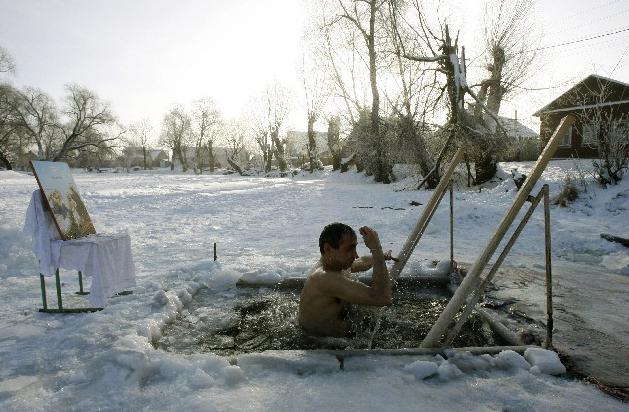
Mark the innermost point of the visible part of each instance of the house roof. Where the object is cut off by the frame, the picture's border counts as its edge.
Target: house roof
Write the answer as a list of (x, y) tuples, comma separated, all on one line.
[(593, 91), (515, 129)]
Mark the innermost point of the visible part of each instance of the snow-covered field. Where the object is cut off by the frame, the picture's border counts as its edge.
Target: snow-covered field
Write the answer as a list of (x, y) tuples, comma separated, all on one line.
[(270, 227)]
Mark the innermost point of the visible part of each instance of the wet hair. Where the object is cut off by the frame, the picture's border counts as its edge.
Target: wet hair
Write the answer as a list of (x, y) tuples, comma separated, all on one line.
[(333, 233)]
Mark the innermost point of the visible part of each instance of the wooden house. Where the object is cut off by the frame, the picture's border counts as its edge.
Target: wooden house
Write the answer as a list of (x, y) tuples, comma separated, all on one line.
[(599, 104)]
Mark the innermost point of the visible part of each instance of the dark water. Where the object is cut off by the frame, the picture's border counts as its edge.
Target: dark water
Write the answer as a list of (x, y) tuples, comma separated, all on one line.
[(253, 320)]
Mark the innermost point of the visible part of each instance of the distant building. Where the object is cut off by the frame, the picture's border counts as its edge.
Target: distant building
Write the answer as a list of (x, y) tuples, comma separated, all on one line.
[(592, 99), (134, 157), (297, 147), (220, 157), (523, 141)]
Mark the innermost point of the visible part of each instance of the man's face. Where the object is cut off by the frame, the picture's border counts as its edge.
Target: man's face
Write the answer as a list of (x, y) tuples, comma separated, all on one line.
[(344, 256)]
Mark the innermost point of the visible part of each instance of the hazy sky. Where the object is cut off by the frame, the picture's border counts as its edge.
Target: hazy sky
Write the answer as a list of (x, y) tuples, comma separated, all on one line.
[(144, 56)]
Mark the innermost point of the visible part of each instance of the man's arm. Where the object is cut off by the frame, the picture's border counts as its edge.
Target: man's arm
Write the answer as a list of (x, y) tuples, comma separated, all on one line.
[(352, 291), (364, 263), (378, 294), (381, 279)]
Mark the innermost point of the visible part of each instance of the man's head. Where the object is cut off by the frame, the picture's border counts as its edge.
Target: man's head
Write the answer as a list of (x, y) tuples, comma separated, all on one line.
[(337, 244)]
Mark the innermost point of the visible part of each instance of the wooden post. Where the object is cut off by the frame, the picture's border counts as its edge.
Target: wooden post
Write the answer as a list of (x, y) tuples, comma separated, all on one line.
[(471, 281), (421, 225), (549, 277), (215, 251)]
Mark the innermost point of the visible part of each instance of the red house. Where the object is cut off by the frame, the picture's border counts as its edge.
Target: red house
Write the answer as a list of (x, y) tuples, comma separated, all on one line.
[(600, 105)]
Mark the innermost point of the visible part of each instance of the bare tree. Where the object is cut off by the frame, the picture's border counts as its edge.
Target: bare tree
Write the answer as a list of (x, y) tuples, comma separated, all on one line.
[(334, 141), (604, 128), (509, 50), (277, 100), (205, 124), (316, 92), (267, 114), (175, 132), (412, 101), (510, 54), (85, 117), (9, 125), (234, 135), (140, 135), (362, 15), (7, 64), (38, 118)]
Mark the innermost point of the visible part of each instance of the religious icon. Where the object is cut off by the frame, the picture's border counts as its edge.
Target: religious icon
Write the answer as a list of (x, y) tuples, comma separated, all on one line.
[(62, 198)]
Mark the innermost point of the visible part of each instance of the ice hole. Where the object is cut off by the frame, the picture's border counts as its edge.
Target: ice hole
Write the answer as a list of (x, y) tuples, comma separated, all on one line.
[(255, 319)]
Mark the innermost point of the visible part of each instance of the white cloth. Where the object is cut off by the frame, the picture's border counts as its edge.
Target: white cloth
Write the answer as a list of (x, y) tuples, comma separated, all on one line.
[(106, 258)]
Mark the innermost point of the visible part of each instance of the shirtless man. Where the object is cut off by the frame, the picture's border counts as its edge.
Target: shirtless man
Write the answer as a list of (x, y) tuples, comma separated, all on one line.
[(329, 289)]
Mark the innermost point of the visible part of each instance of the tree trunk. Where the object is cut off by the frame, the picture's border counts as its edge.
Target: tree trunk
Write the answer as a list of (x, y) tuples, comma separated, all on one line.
[(381, 172), (334, 142), (5, 161), (234, 165), (210, 150), (279, 152), (144, 156), (182, 158), (312, 143)]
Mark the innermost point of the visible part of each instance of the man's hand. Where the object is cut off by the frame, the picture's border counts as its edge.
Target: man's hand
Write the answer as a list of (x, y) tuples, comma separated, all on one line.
[(370, 237), (388, 255)]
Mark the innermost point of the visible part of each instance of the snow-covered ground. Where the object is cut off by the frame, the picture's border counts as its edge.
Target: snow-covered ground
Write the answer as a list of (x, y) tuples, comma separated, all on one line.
[(269, 227)]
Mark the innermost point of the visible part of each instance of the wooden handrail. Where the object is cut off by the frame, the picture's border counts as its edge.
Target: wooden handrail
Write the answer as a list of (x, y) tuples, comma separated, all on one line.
[(471, 280)]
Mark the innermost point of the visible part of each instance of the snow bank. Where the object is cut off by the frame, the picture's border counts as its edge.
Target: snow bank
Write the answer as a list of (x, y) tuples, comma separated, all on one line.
[(544, 361), (269, 228)]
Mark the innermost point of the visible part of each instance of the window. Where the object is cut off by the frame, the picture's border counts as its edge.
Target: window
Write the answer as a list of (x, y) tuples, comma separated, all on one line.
[(590, 134), (566, 139)]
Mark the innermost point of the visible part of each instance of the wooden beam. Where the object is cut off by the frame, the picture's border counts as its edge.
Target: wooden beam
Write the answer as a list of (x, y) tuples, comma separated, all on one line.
[(471, 281)]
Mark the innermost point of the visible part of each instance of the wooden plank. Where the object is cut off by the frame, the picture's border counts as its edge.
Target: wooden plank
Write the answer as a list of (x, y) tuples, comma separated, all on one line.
[(298, 282), (471, 281)]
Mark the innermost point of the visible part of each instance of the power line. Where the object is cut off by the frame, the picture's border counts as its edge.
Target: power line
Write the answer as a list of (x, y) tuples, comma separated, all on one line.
[(619, 60), (577, 41)]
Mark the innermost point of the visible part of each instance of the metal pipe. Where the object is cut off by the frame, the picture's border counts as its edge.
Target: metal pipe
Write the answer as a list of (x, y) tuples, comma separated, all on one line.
[(475, 296), (58, 282), (43, 290), (549, 275), (451, 227)]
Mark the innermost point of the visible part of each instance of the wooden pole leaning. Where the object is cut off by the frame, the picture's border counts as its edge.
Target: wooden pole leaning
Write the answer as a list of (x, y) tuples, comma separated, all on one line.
[(471, 281), (478, 293), (429, 211)]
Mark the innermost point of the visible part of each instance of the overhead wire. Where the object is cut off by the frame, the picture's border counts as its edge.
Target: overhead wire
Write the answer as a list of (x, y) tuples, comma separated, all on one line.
[(625, 29)]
